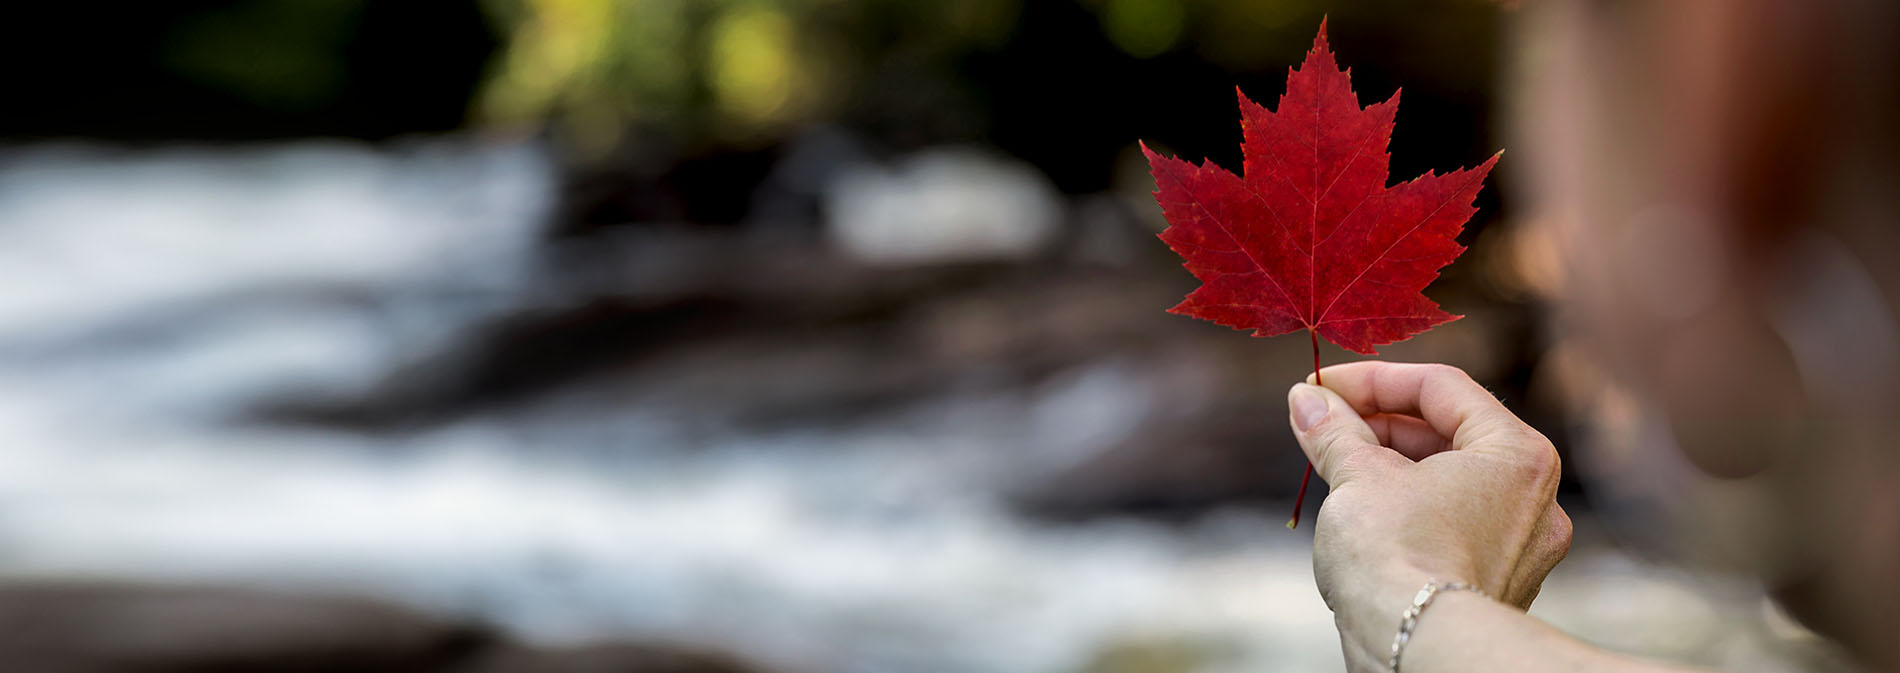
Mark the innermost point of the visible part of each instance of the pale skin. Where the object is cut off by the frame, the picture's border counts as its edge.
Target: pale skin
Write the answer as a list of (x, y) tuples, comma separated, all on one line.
[(1433, 479)]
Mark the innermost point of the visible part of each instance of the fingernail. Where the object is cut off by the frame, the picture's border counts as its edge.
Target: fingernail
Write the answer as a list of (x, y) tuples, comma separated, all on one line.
[(1308, 407)]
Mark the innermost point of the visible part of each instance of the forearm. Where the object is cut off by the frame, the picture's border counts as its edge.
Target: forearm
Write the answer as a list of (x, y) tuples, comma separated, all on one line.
[(1471, 634), (1462, 632)]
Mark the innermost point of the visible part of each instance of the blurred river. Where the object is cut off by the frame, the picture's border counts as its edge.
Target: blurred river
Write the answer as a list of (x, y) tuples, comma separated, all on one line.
[(162, 307)]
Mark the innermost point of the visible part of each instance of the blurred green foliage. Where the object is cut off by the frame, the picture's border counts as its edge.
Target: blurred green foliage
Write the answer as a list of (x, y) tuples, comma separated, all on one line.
[(733, 70)]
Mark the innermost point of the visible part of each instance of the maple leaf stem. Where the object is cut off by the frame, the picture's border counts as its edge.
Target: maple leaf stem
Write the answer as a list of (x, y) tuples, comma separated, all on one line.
[(1300, 500)]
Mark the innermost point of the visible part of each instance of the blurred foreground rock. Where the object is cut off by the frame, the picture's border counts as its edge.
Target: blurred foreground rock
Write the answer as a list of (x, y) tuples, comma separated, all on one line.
[(127, 628)]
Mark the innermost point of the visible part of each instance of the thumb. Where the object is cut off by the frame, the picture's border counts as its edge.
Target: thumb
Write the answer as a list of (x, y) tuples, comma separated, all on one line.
[(1329, 431)]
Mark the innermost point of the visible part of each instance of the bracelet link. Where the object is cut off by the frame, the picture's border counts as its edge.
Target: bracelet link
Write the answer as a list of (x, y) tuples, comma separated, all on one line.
[(1408, 620)]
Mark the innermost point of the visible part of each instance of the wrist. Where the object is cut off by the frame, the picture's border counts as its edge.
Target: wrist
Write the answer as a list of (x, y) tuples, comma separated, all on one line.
[(1408, 623), (1368, 612)]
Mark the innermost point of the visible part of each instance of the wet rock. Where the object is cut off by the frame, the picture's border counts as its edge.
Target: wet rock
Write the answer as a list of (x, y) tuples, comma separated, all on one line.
[(126, 628), (77, 628), (613, 658)]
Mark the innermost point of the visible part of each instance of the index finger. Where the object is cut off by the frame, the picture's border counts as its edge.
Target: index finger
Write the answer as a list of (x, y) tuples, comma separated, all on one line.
[(1444, 396)]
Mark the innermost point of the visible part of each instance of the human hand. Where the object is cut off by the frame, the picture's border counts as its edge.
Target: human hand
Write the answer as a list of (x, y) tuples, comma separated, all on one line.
[(1431, 478)]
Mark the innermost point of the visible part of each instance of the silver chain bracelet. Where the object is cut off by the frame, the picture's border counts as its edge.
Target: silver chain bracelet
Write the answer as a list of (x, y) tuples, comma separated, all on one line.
[(1409, 620)]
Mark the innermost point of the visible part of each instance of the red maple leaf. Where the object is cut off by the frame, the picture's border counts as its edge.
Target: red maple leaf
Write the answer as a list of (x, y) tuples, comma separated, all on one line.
[(1311, 237)]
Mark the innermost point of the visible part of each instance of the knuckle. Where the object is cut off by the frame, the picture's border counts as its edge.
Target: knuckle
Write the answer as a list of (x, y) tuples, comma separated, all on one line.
[(1557, 544), (1539, 463), (1445, 371), (1333, 435)]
